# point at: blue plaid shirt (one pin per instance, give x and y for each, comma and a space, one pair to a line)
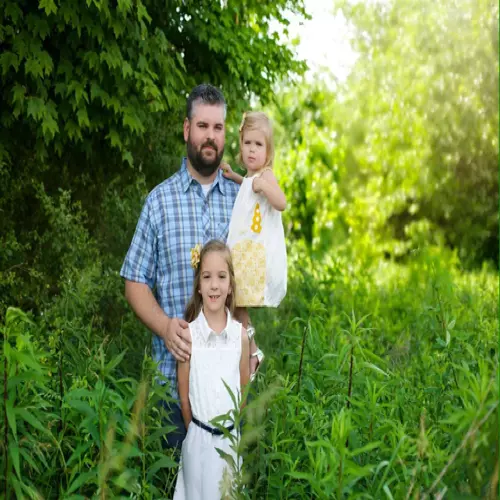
175, 217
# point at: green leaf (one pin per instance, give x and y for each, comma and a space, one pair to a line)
127, 69
13, 11
33, 67
73, 130
29, 459
364, 449
82, 407
132, 121
373, 367
128, 480
15, 316
49, 6
29, 361
96, 92
85, 478
36, 108
114, 138
49, 127
14, 454
32, 420
127, 157
114, 362
229, 459
78, 452
79, 90
124, 6
9, 60
163, 462
17, 487
11, 417
83, 117
231, 394
45, 62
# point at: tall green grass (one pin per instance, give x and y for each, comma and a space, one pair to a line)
380, 381
388, 383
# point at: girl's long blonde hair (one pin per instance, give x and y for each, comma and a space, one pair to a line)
195, 302
257, 120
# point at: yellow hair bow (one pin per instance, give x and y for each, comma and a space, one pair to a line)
195, 256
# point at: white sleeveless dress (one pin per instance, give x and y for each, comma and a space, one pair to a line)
257, 242
214, 358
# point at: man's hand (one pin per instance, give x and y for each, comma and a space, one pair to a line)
177, 339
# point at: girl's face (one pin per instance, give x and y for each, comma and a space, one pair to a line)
254, 150
214, 281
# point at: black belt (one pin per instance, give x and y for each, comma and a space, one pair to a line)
214, 432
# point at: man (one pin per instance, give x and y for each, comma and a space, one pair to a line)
189, 208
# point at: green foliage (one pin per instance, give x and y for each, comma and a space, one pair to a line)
379, 380
397, 392
92, 97
404, 153
81, 72
78, 425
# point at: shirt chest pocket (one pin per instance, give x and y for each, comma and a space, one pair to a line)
174, 245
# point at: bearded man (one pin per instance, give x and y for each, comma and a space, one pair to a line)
188, 209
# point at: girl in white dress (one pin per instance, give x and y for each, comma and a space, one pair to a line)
220, 353
256, 236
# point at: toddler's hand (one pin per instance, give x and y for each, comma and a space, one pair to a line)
227, 171
254, 363
257, 185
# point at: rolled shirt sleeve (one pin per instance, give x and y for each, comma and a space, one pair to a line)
141, 260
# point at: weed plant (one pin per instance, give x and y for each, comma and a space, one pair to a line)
380, 381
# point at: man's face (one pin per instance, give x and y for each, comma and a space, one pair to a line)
205, 135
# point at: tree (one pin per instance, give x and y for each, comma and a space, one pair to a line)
92, 95
425, 90
405, 152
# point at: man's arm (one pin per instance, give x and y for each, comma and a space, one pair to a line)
171, 330
183, 387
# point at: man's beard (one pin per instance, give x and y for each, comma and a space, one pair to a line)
203, 166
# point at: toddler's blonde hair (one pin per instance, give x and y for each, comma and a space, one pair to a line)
257, 120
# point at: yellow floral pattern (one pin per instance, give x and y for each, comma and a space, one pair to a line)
249, 260
256, 226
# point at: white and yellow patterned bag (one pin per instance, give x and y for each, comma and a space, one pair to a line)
257, 242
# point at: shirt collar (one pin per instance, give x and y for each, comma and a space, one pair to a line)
207, 331
187, 178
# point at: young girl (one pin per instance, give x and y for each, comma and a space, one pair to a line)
256, 237
220, 353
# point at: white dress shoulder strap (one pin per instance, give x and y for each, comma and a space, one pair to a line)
264, 170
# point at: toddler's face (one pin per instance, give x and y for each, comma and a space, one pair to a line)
214, 281
254, 150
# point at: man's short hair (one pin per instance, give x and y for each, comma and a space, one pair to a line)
206, 94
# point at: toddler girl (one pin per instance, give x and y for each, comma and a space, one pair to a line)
256, 237
220, 353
